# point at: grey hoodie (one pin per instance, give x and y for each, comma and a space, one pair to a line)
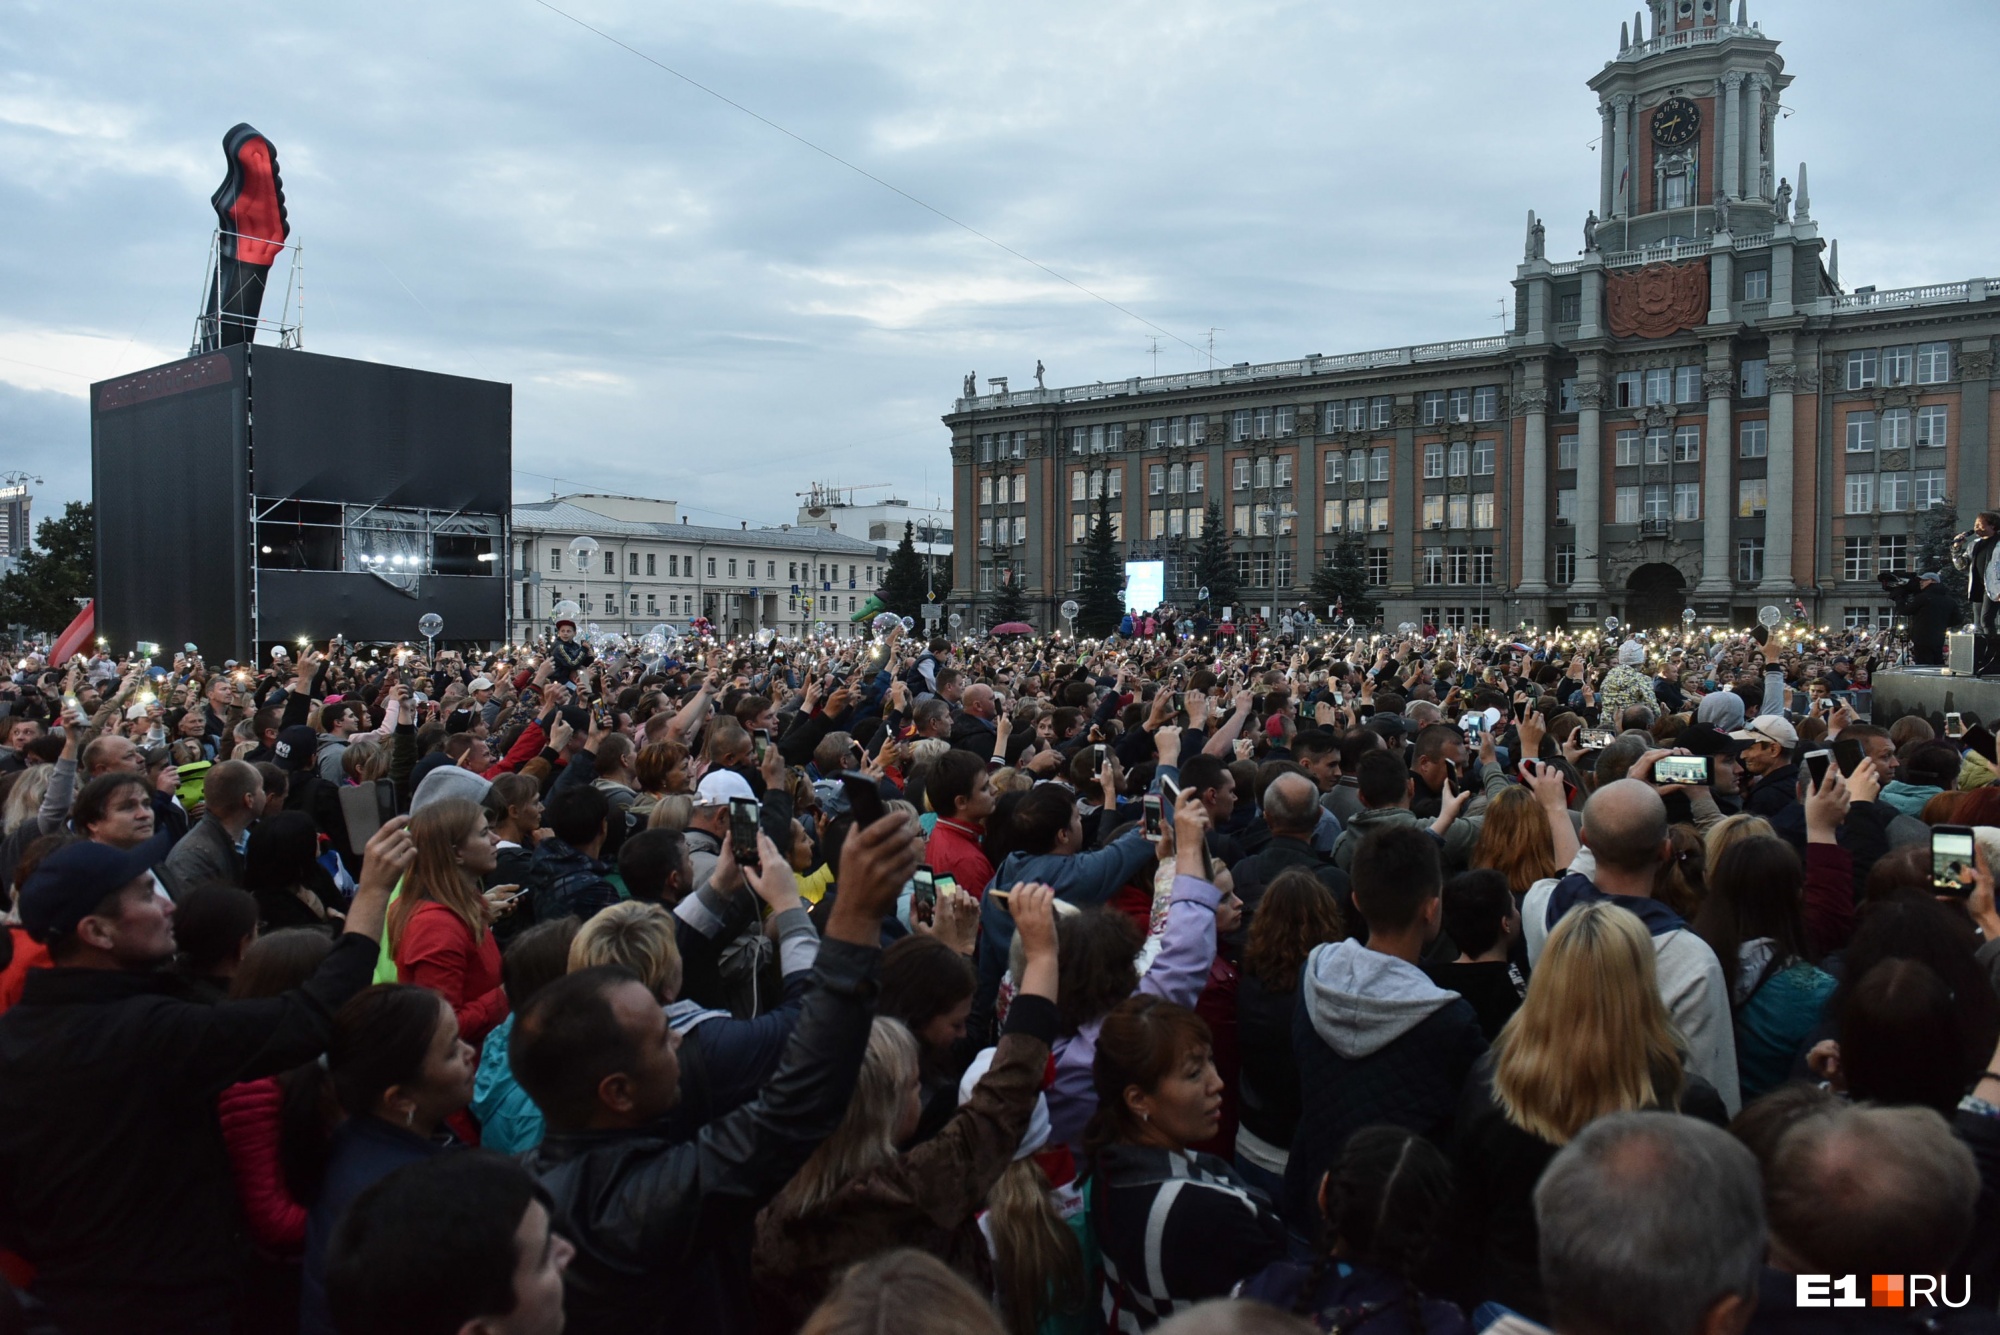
1360, 1000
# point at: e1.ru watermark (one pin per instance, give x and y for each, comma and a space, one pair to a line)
1883, 1290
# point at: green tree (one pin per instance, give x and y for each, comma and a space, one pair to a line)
1010, 602
1934, 535
49, 578
1101, 597
1343, 578
902, 587
1214, 563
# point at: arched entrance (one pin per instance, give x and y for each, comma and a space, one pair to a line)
1655, 595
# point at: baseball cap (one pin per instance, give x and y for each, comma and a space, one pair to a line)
481, 684
135, 711
719, 786
1932, 576
1705, 739
1768, 728
295, 747
73, 881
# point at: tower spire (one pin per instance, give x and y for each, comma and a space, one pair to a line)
1742, 13
1624, 36
1804, 211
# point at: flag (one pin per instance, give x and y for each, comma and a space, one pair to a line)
76, 637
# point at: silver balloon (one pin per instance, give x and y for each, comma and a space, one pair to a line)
660, 629
885, 624
1769, 616
590, 632
765, 637
581, 549
1407, 627
954, 621
566, 610
1687, 616
430, 625
909, 624
1611, 624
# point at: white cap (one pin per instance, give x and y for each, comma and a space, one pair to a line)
1037, 1134
719, 786
481, 684
1632, 654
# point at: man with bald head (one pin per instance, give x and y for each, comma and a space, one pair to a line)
975, 729
1291, 808
1624, 845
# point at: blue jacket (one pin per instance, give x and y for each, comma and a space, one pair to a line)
565, 881
509, 1121
365, 1150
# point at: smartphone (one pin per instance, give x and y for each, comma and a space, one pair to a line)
1951, 860
762, 738
1339, 699
1474, 725
1816, 765
1096, 758
1684, 769
1954, 726
1151, 804
1170, 794
923, 895
743, 830
1595, 739
1174, 702
863, 798
1847, 754
947, 884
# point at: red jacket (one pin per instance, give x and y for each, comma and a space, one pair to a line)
252, 1116
436, 951
28, 954
954, 851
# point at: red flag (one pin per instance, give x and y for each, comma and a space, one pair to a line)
76, 638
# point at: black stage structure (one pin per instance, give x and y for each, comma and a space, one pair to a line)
254, 495
1932, 693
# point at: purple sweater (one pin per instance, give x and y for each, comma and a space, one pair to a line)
1178, 974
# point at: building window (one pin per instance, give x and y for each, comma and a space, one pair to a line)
1021, 527
1433, 461
1687, 501
633, 605
1482, 458
1021, 485
1457, 565
1197, 521
711, 567
1931, 425
1194, 478
1482, 510
1434, 512
674, 565
1378, 465
650, 564
1378, 514
1687, 384
1566, 451
1857, 556
986, 531
1332, 415
1460, 405
1378, 565
1381, 411
1332, 516
1281, 470
1262, 473
1285, 558
1756, 381
1756, 285
1749, 560
732, 569
1566, 563
1625, 505
1079, 439
1895, 431
1752, 498
1566, 505
1261, 421
1431, 407
1176, 523
1657, 448
1485, 403
1569, 307
1156, 523
1894, 551
1357, 414
1239, 474
985, 578
1156, 479
1687, 444
1460, 456
1482, 565
986, 490
1860, 432
1754, 439
1239, 521
611, 563
1929, 488
1433, 565
1656, 501
1287, 419
1660, 385
1239, 425
1860, 493
1566, 395
1627, 455
1861, 368
1933, 363
1892, 492
1629, 386
1897, 365
631, 563
1458, 512
1333, 470
1357, 465
555, 558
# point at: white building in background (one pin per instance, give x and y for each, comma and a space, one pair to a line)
652, 566
881, 523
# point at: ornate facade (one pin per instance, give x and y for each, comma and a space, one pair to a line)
1692, 413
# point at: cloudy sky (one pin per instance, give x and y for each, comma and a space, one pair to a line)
691, 304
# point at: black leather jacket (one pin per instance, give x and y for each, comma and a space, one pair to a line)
662, 1229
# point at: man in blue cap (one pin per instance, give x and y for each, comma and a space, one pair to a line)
114, 1183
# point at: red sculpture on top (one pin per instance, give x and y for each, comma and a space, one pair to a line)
250, 212
1658, 300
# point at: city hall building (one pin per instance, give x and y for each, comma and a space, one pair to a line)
1695, 413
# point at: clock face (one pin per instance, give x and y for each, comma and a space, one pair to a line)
1677, 122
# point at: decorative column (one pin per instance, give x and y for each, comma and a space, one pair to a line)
1975, 376
1721, 278
1719, 380
1589, 475
1784, 378
1590, 322
1758, 185
1727, 134
1403, 496
1781, 271
1607, 150
1535, 483
1623, 207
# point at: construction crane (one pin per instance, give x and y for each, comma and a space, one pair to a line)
825, 496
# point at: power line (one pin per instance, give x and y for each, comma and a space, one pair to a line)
863, 171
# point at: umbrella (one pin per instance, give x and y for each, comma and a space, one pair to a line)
1013, 628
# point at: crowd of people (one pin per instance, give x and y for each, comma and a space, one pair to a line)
1428, 983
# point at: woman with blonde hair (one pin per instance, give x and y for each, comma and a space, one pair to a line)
439, 927
20, 819
1592, 1037
1731, 830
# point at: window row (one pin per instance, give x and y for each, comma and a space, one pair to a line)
1459, 405
1907, 364
1458, 565
1097, 439
677, 566
1262, 423
1175, 523
1356, 516
1089, 485
1867, 556
1357, 466
1006, 574
1661, 445
1860, 618
1459, 459
1474, 511
1458, 618
1002, 445
1262, 519
1679, 501
1079, 526
1002, 490
1897, 428
1376, 413
991, 530
1267, 471
1255, 570
1165, 432
1178, 479
1888, 493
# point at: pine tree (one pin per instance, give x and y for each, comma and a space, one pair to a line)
1010, 603
49, 578
1101, 599
902, 588
1344, 579
1214, 563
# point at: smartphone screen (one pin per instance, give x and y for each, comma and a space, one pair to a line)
1847, 753
923, 894
1152, 809
1954, 725
1951, 860
762, 740
1683, 769
863, 799
1595, 739
1816, 764
946, 883
743, 830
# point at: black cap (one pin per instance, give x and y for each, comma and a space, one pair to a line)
73, 881
295, 747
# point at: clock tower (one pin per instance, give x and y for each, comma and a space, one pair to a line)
1688, 107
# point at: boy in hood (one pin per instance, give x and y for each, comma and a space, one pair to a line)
1376, 1039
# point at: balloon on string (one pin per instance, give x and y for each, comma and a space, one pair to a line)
909, 624
660, 629
1687, 616
653, 644
765, 637
566, 610
885, 624
581, 549
591, 632
955, 621
1611, 625
1407, 627
430, 625
1769, 616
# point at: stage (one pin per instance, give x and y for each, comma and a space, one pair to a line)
1933, 693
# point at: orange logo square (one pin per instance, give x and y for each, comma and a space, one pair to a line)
1885, 1291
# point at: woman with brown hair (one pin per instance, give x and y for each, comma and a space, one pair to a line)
1518, 840
660, 769
1296, 913
904, 1292
438, 928
1592, 1037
